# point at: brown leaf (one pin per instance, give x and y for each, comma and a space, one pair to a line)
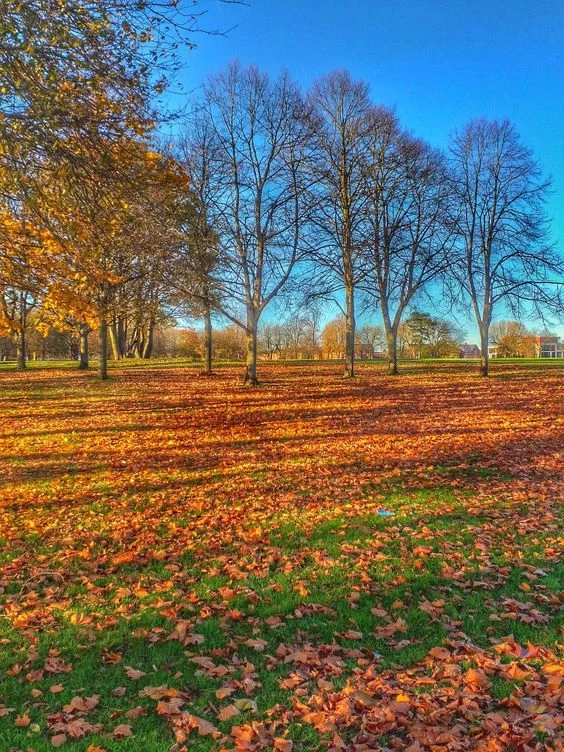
134, 673
122, 731
227, 712
364, 698
136, 712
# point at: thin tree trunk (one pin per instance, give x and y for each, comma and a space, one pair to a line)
103, 360
208, 344
350, 333
251, 372
20, 349
485, 357
122, 337
392, 342
147, 350
112, 330
83, 362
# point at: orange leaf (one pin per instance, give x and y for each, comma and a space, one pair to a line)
284, 745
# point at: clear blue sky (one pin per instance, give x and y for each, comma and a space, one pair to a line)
438, 62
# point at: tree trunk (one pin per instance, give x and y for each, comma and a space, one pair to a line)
251, 372
20, 350
208, 344
392, 342
114, 339
103, 360
485, 357
147, 350
122, 337
83, 362
349, 334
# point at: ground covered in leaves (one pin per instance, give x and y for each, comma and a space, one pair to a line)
188, 564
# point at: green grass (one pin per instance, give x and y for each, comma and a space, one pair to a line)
281, 541
151, 363
167, 662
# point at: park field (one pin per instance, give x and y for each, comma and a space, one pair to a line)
313, 564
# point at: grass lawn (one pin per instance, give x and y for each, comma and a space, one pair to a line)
315, 564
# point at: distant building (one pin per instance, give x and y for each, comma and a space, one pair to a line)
548, 347
544, 347
469, 351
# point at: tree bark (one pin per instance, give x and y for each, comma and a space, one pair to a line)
251, 372
392, 342
208, 344
114, 339
485, 356
103, 360
349, 333
147, 350
83, 362
20, 350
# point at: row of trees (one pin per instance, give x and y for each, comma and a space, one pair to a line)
329, 195
297, 337
267, 192
84, 198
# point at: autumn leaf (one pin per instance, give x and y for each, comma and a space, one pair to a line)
170, 707
364, 698
256, 643
283, 745
135, 712
134, 673
244, 704
227, 712
122, 731
476, 678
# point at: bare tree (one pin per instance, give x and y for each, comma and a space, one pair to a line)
405, 224
192, 274
295, 328
313, 316
271, 339
340, 107
262, 138
503, 254
373, 336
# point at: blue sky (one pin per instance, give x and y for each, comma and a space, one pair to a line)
440, 63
